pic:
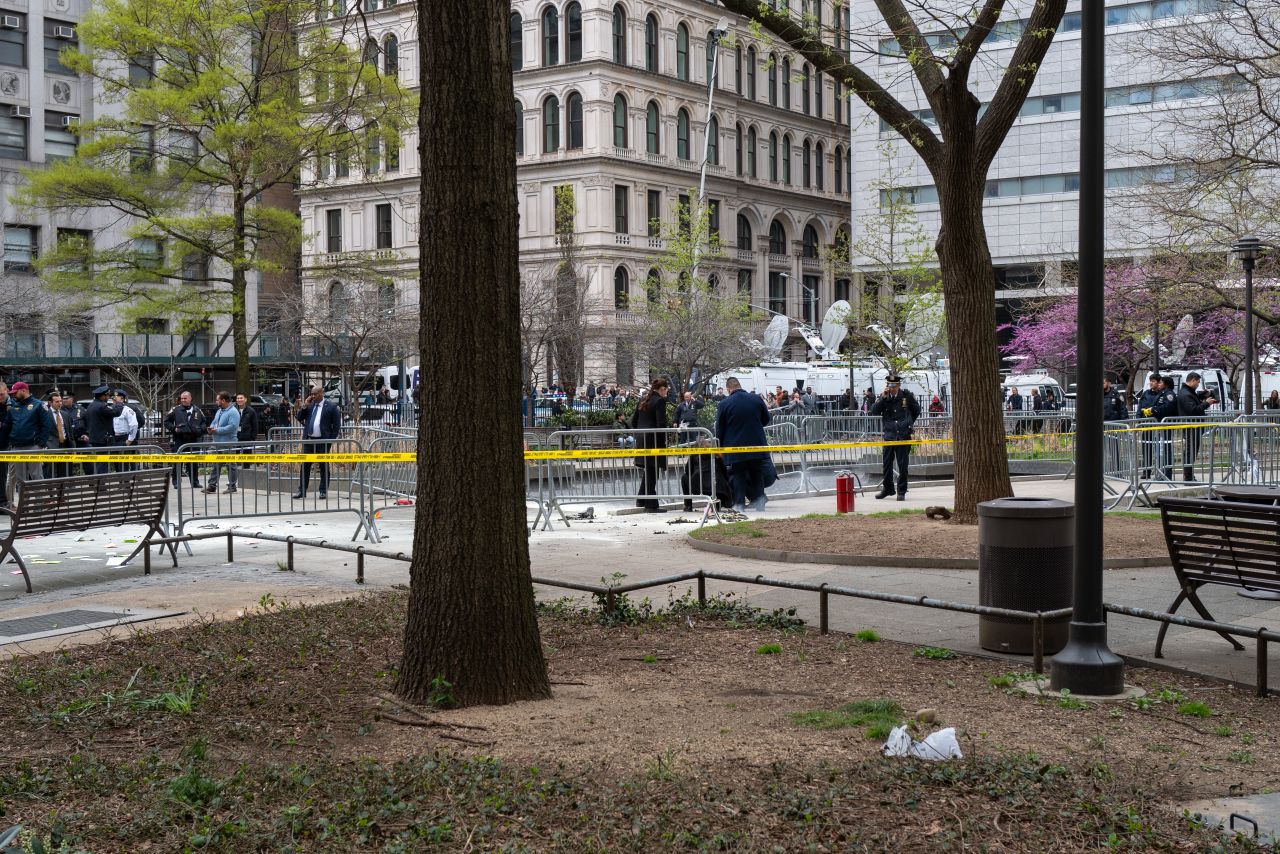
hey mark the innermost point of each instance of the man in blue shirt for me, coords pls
(224, 428)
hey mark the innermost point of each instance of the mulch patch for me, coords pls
(273, 732)
(911, 535)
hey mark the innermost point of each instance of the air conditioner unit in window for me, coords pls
(68, 121)
(20, 112)
(67, 33)
(11, 22)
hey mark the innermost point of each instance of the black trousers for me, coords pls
(4, 483)
(747, 478)
(901, 455)
(315, 448)
(648, 483)
(1190, 450)
(100, 468)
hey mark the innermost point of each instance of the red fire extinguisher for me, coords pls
(844, 492)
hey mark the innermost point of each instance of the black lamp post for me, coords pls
(1086, 665)
(1246, 250)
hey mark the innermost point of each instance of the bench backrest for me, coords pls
(1223, 542)
(66, 504)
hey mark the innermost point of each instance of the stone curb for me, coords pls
(889, 561)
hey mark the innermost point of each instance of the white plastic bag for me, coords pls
(936, 747)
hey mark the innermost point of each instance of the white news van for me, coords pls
(1025, 383)
(830, 379)
(764, 377)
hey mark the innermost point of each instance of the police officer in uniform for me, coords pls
(1191, 404)
(898, 410)
(99, 425)
(1113, 405)
(1152, 397)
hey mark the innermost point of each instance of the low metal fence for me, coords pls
(1253, 453)
(790, 466)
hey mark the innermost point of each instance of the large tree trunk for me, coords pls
(239, 313)
(471, 616)
(968, 282)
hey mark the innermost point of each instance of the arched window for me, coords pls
(737, 69)
(371, 53)
(682, 134)
(682, 52)
(713, 141)
(573, 33)
(820, 167)
(651, 43)
(805, 96)
(752, 145)
(839, 162)
(810, 242)
(391, 56)
(745, 238)
(519, 130)
(818, 94)
(652, 129)
(786, 84)
(773, 79)
(620, 37)
(621, 289)
(551, 125)
(711, 57)
(339, 302)
(773, 155)
(573, 106)
(751, 73)
(786, 158)
(373, 149)
(517, 41)
(620, 121)
(550, 36)
(836, 99)
(777, 239)
(739, 165)
(806, 165)
(653, 285)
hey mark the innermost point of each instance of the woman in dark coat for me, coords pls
(651, 414)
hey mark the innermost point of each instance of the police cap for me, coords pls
(101, 390)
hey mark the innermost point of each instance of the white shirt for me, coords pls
(126, 423)
(317, 409)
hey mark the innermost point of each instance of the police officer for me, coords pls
(898, 410)
(1191, 403)
(28, 430)
(99, 426)
(1147, 402)
(1113, 406)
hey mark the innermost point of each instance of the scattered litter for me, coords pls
(732, 516)
(115, 561)
(680, 520)
(936, 746)
(404, 502)
(15, 572)
(589, 513)
(130, 541)
(112, 546)
(82, 538)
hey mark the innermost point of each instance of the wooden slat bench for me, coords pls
(65, 504)
(1227, 543)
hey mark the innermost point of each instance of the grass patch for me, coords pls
(769, 649)
(1066, 701)
(1132, 514)
(1014, 678)
(876, 717)
(731, 529)
(1195, 709)
(867, 636)
(884, 514)
(934, 653)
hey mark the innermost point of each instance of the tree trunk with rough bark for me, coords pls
(471, 619)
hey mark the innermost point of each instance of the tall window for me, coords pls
(839, 164)
(777, 293)
(805, 97)
(744, 283)
(713, 141)
(713, 217)
(391, 56)
(519, 131)
(393, 145)
(573, 33)
(653, 285)
(809, 298)
(773, 79)
(737, 69)
(745, 241)
(773, 155)
(651, 43)
(550, 124)
(682, 134)
(786, 158)
(620, 121)
(806, 165)
(550, 36)
(786, 84)
(751, 73)
(60, 138)
(711, 58)
(517, 42)
(621, 289)
(333, 230)
(810, 242)
(652, 129)
(820, 167)
(752, 145)
(20, 248)
(653, 212)
(682, 52)
(739, 166)
(818, 94)
(777, 238)
(621, 206)
(620, 37)
(342, 156)
(57, 35)
(573, 105)
(148, 252)
(13, 42)
(373, 149)
(382, 226)
(371, 53)
(836, 99)
(842, 289)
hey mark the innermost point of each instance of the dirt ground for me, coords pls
(278, 732)
(910, 535)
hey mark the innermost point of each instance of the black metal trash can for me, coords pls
(1025, 551)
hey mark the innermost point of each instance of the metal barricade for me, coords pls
(1040, 443)
(822, 465)
(1119, 463)
(790, 466)
(677, 476)
(269, 489)
(1253, 446)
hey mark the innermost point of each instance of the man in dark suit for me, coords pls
(740, 422)
(62, 436)
(98, 426)
(321, 422)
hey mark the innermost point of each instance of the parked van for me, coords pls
(764, 377)
(1215, 380)
(1048, 387)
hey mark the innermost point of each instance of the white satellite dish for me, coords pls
(885, 334)
(1181, 338)
(834, 329)
(775, 335)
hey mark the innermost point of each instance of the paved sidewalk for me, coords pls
(636, 546)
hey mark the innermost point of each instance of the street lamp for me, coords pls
(1246, 251)
(713, 44)
(1086, 665)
